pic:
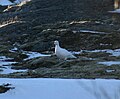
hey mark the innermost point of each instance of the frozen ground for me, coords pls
(6, 63)
(109, 63)
(89, 31)
(62, 89)
(5, 2)
(115, 53)
(43, 88)
(32, 55)
(115, 11)
(8, 70)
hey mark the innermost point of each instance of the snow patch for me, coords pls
(8, 70)
(3, 58)
(78, 22)
(14, 49)
(89, 31)
(5, 2)
(94, 32)
(115, 11)
(32, 55)
(115, 52)
(109, 63)
(6, 64)
(61, 89)
(110, 70)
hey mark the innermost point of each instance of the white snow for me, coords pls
(105, 44)
(78, 22)
(115, 52)
(115, 11)
(89, 31)
(32, 55)
(110, 70)
(62, 89)
(21, 2)
(5, 2)
(77, 53)
(6, 65)
(14, 49)
(8, 70)
(2, 58)
(109, 63)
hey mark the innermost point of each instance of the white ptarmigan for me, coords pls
(61, 52)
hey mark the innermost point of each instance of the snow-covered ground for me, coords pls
(115, 11)
(5, 2)
(110, 70)
(6, 65)
(2, 58)
(109, 63)
(89, 31)
(43, 88)
(115, 52)
(32, 55)
(8, 70)
(62, 89)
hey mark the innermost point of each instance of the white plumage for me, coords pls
(62, 53)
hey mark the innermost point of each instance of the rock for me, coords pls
(12, 1)
(2, 8)
(5, 87)
(39, 63)
(51, 67)
(41, 30)
(37, 46)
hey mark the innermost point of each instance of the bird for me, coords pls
(62, 53)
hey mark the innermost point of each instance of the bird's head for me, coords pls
(56, 42)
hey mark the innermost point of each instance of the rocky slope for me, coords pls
(31, 22)
(78, 25)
